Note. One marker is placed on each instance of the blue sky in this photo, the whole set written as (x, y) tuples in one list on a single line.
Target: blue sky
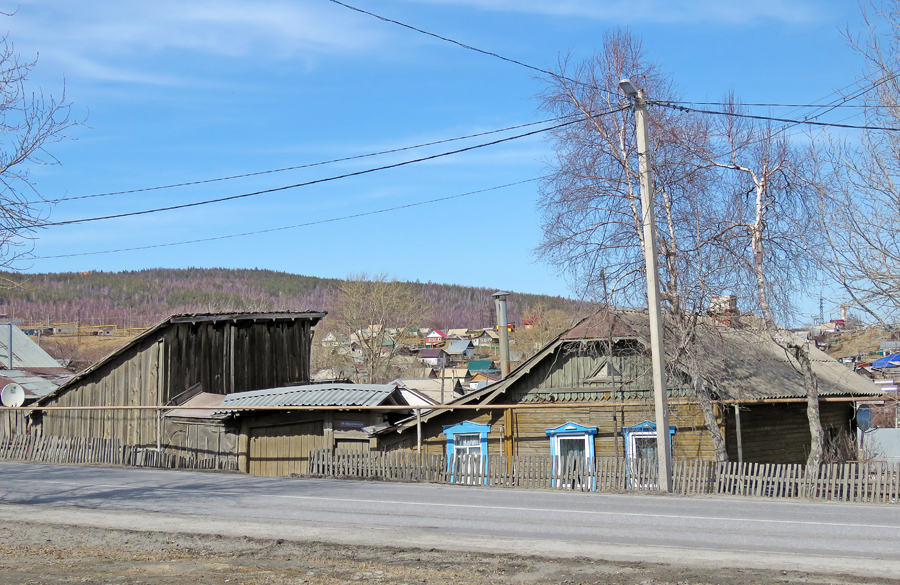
[(176, 92)]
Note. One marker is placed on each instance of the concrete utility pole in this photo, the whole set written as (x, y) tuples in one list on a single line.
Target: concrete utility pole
[(663, 445), (502, 330)]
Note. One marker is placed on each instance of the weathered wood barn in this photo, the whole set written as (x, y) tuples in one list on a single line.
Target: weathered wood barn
[(593, 387), (172, 362)]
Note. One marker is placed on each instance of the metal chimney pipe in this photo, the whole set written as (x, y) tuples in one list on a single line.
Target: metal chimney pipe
[(502, 330)]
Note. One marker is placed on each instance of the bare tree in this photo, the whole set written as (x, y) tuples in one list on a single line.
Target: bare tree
[(29, 123), (591, 203), (769, 230), (375, 313), (859, 176), (544, 324), (733, 209)]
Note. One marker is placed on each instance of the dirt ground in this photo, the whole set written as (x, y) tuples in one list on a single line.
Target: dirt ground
[(32, 554)]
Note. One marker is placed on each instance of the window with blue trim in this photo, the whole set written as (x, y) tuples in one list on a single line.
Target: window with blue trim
[(640, 442), (467, 438), (572, 439)]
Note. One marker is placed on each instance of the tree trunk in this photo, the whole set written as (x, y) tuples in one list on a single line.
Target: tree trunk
[(817, 442), (709, 414)]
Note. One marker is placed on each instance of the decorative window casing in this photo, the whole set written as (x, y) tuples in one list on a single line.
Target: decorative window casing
[(572, 439), (640, 441), (467, 438)]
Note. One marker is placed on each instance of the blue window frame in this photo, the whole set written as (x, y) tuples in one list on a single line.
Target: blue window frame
[(572, 439), (467, 438), (640, 441)]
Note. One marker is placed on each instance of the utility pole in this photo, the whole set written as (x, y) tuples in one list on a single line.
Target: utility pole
[(663, 446)]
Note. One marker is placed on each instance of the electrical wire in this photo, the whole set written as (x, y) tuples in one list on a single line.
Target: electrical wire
[(323, 180), (469, 47), (810, 122), (290, 227), (296, 167)]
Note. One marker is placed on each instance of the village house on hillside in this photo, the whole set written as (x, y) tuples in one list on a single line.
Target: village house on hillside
[(599, 371)]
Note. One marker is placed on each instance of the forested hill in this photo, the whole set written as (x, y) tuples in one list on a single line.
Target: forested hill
[(142, 298)]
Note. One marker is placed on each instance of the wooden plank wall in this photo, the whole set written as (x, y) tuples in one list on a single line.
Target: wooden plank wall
[(779, 433), (13, 422), (226, 357), (131, 380), (281, 450), (528, 436), (198, 440), (261, 354)]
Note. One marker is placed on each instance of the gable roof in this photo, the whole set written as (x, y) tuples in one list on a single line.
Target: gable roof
[(431, 353), (743, 364), (25, 352), (458, 346), (317, 395), (481, 365)]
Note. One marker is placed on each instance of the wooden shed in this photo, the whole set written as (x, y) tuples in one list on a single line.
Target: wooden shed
[(278, 442), (590, 392), (184, 355)]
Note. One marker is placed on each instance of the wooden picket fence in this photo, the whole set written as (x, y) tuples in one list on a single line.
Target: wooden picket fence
[(80, 450), (873, 482)]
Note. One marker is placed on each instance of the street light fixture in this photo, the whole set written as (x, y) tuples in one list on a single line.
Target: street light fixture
[(628, 88)]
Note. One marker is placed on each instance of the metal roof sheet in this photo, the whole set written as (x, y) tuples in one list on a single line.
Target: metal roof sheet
[(315, 395), (26, 353), (36, 383)]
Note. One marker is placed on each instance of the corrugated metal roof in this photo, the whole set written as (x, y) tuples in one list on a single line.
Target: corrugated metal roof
[(316, 395), (36, 383), (26, 353)]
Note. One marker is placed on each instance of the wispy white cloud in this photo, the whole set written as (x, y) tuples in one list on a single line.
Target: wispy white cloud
[(668, 11), (93, 38)]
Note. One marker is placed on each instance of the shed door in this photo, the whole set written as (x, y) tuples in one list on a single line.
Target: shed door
[(283, 449)]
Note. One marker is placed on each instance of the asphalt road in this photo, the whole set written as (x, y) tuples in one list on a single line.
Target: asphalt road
[(855, 539)]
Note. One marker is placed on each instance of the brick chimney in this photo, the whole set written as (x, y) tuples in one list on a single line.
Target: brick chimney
[(723, 308)]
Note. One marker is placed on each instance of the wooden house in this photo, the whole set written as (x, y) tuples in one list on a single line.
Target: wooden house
[(590, 392), (171, 363)]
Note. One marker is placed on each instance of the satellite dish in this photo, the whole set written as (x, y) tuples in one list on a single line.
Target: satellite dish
[(12, 395)]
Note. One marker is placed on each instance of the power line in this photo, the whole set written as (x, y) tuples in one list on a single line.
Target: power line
[(296, 167), (323, 180), (469, 47), (772, 119), (290, 227), (772, 105)]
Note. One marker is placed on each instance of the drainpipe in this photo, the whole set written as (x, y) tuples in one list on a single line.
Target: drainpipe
[(503, 330)]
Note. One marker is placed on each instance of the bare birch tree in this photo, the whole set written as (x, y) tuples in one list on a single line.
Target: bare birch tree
[(859, 176), (29, 123), (591, 203), (769, 229)]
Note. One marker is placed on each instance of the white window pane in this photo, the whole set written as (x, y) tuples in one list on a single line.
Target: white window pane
[(572, 446), (467, 440)]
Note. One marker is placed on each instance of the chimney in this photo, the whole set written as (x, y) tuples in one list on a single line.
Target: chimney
[(502, 330), (723, 308)]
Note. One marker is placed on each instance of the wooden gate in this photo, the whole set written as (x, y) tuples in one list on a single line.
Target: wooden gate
[(283, 449)]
